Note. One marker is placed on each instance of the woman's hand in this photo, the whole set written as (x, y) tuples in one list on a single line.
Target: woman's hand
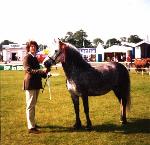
[(48, 70)]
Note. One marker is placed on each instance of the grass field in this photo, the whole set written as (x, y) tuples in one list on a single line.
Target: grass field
[(56, 116)]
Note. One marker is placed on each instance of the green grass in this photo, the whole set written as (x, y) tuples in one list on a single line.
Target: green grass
[(56, 116)]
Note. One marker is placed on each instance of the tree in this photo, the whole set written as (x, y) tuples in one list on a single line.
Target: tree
[(123, 39), (111, 42), (79, 39), (42, 47), (134, 39), (96, 41), (69, 35), (5, 42), (69, 38)]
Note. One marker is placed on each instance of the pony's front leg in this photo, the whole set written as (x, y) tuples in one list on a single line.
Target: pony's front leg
[(86, 110), (75, 100)]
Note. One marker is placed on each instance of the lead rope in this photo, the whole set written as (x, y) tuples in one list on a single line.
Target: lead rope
[(48, 84), (49, 89)]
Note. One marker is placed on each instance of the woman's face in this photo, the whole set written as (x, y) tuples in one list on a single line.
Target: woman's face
[(33, 49)]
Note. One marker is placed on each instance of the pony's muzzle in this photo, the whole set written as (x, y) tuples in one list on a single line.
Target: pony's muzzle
[(48, 63)]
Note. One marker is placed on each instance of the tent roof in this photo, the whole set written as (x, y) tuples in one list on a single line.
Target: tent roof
[(117, 48), (135, 44), (142, 42)]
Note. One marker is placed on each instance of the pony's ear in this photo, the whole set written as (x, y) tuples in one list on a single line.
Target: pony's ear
[(62, 45), (62, 48)]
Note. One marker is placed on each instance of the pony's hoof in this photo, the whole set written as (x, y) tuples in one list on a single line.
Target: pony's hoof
[(77, 126), (89, 128), (123, 122)]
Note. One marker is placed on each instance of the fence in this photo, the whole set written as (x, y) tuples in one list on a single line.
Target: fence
[(18, 67), (128, 65)]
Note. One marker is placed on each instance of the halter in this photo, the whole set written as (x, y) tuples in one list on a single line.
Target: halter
[(55, 56), (61, 52), (58, 56)]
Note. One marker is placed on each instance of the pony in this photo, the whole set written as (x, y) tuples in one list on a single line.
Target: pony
[(141, 64), (83, 80)]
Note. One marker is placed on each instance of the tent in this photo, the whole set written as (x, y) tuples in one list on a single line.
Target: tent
[(117, 53), (117, 48)]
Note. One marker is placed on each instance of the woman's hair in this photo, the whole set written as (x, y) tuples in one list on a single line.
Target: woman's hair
[(31, 43)]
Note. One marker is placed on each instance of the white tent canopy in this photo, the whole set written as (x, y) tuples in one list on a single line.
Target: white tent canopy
[(117, 48), (100, 49)]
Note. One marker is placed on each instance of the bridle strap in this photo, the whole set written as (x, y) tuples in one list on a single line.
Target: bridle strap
[(55, 58), (52, 59)]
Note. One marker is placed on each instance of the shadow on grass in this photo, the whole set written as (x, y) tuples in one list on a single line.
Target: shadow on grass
[(133, 126)]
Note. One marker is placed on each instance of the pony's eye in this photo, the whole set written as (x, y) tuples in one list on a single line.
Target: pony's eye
[(56, 51)]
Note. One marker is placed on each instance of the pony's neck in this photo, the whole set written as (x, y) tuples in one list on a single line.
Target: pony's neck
[(74, 62)]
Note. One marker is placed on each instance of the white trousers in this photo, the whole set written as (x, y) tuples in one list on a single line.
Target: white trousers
[(31, 99)]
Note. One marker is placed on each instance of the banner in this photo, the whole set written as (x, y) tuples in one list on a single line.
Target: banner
[(13, 67)]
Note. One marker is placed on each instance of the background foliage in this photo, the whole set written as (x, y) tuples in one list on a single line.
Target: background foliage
[(80, 40)]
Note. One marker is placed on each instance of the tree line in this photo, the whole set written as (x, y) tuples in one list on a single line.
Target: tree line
[(80, 40)]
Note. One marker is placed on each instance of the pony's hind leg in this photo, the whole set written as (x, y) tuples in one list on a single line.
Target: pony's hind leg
[(86, 110), (75, 100), (122, 101), (123, 118)]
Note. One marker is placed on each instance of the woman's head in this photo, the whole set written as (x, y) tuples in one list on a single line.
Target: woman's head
[(32, 46)]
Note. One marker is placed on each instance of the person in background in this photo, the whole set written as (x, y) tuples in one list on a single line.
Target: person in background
[(128, 62), (116, 59), (32, 83)]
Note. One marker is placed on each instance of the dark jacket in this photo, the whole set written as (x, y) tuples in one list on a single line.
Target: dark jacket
[(33, 74)]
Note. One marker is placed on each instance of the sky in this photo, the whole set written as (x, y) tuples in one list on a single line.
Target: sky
[(46, 20)]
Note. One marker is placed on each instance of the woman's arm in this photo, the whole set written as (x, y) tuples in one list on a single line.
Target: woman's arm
[(29, 68)]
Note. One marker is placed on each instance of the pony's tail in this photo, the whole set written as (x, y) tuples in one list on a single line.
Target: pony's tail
[(126, 97), (122, 90)]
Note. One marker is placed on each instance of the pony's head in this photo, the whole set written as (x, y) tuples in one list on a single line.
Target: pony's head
[(57, 54)]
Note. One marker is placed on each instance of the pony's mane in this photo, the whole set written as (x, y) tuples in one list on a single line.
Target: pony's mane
[(71, 46), (76, 56)]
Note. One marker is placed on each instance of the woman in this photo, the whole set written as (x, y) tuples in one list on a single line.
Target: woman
[(32, 83)]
